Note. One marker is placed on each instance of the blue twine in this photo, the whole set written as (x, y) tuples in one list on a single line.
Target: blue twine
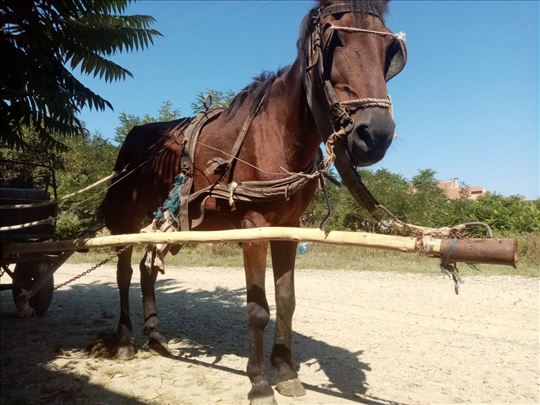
[(172, 203), (303, 248)]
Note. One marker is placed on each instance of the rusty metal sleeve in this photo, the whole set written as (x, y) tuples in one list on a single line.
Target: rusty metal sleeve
[(488, 251)]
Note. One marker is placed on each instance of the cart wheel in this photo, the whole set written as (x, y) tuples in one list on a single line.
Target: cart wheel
[(25, 275)]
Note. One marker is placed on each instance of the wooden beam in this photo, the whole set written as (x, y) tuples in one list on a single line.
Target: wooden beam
[(493, 250)]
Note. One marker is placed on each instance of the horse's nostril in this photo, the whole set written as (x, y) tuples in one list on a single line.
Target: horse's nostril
[(371, 137), (356, 143), (364, 133)]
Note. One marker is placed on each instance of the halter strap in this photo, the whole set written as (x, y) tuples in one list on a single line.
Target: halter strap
[(400, 36), (331, 116)]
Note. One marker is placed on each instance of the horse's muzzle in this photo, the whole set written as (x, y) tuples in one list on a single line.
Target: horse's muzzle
[(371, 136)]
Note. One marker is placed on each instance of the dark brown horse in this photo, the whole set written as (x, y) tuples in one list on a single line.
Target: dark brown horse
[(335, 91)]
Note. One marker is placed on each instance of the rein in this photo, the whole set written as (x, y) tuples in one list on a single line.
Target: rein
[(332, 115)]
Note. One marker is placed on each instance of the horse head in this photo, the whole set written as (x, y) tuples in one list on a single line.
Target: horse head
[(350, 56)]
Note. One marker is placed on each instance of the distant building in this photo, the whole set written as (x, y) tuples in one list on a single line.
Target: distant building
[(454, 191)]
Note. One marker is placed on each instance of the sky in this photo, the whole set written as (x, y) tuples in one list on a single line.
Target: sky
[(466, 105)]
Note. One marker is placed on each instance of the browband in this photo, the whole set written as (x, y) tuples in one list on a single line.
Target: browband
[(343, 8)]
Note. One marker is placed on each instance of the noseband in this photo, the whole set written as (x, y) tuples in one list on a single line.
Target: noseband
[(332, 115)]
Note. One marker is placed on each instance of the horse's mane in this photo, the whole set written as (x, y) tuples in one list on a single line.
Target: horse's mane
[(255, 91), (262, 83)]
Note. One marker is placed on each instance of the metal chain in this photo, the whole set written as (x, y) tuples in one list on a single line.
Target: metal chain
[(91, 269)]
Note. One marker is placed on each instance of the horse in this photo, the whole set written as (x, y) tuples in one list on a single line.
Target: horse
[(255, 164)]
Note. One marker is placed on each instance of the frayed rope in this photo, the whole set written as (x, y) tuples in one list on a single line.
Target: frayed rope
[(172, 203)]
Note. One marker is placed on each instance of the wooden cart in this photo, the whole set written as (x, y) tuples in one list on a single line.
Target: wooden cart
[(28, 211)]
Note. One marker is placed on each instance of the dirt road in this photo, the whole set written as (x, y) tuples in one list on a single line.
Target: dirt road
[(364, 337)]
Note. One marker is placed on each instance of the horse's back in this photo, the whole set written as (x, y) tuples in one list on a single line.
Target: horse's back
[(147, 163), (144, 140)]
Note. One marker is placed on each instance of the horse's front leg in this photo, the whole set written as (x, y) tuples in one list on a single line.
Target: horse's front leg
[(257, 312), (126, 349), (283, 260), (157, 343)]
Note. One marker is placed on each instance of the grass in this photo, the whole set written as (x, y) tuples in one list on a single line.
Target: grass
[(322, 256)]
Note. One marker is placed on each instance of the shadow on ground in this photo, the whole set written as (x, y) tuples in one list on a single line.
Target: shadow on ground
[(213, 323)]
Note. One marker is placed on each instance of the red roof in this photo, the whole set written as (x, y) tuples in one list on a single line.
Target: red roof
[(454, 192)]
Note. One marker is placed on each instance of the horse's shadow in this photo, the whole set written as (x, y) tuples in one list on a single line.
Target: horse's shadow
[(208, 323), (214, 321)]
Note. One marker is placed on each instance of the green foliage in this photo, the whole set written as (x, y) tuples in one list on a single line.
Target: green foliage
[(68, 225), (421, 202), (41, 158), (87, 160), (128, 121), (425, 200), (84, 161), (36, 151), (529, 250), (212, 99), (167, 112), (389, 188), (41, 42), (508, 215), (340, 207)]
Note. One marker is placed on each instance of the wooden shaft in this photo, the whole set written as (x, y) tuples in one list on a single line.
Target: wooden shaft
[(495, 251), (388, 242), (31, 205), (47, 221)]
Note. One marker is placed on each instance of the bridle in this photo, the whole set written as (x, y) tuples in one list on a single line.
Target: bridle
[(319, 57), (332, 115)]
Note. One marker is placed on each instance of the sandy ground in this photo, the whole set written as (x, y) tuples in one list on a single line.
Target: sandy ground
[(364, 337)]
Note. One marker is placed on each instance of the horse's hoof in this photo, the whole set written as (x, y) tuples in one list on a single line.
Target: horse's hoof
[(291, 388), (266, 400), (158, 348), (26, 312), (125, 353), (261, 394)]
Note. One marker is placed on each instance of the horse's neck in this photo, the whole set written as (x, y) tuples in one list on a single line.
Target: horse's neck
[(293, 128)]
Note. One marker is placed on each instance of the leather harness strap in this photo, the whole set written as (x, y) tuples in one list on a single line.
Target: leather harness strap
[(186, 161), (330, 114), (249, 191), (331, 117), (231, 163)]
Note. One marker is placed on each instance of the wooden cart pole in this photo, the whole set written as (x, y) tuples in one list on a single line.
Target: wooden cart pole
[(494, 251)]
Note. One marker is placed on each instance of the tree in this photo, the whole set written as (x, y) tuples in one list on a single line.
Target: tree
[(209, 99), (391, 189), (507, 215), (128, 121), (167, 113), (36, 153), (41, 42), (87, 159), (318, 208), (426, 200)]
